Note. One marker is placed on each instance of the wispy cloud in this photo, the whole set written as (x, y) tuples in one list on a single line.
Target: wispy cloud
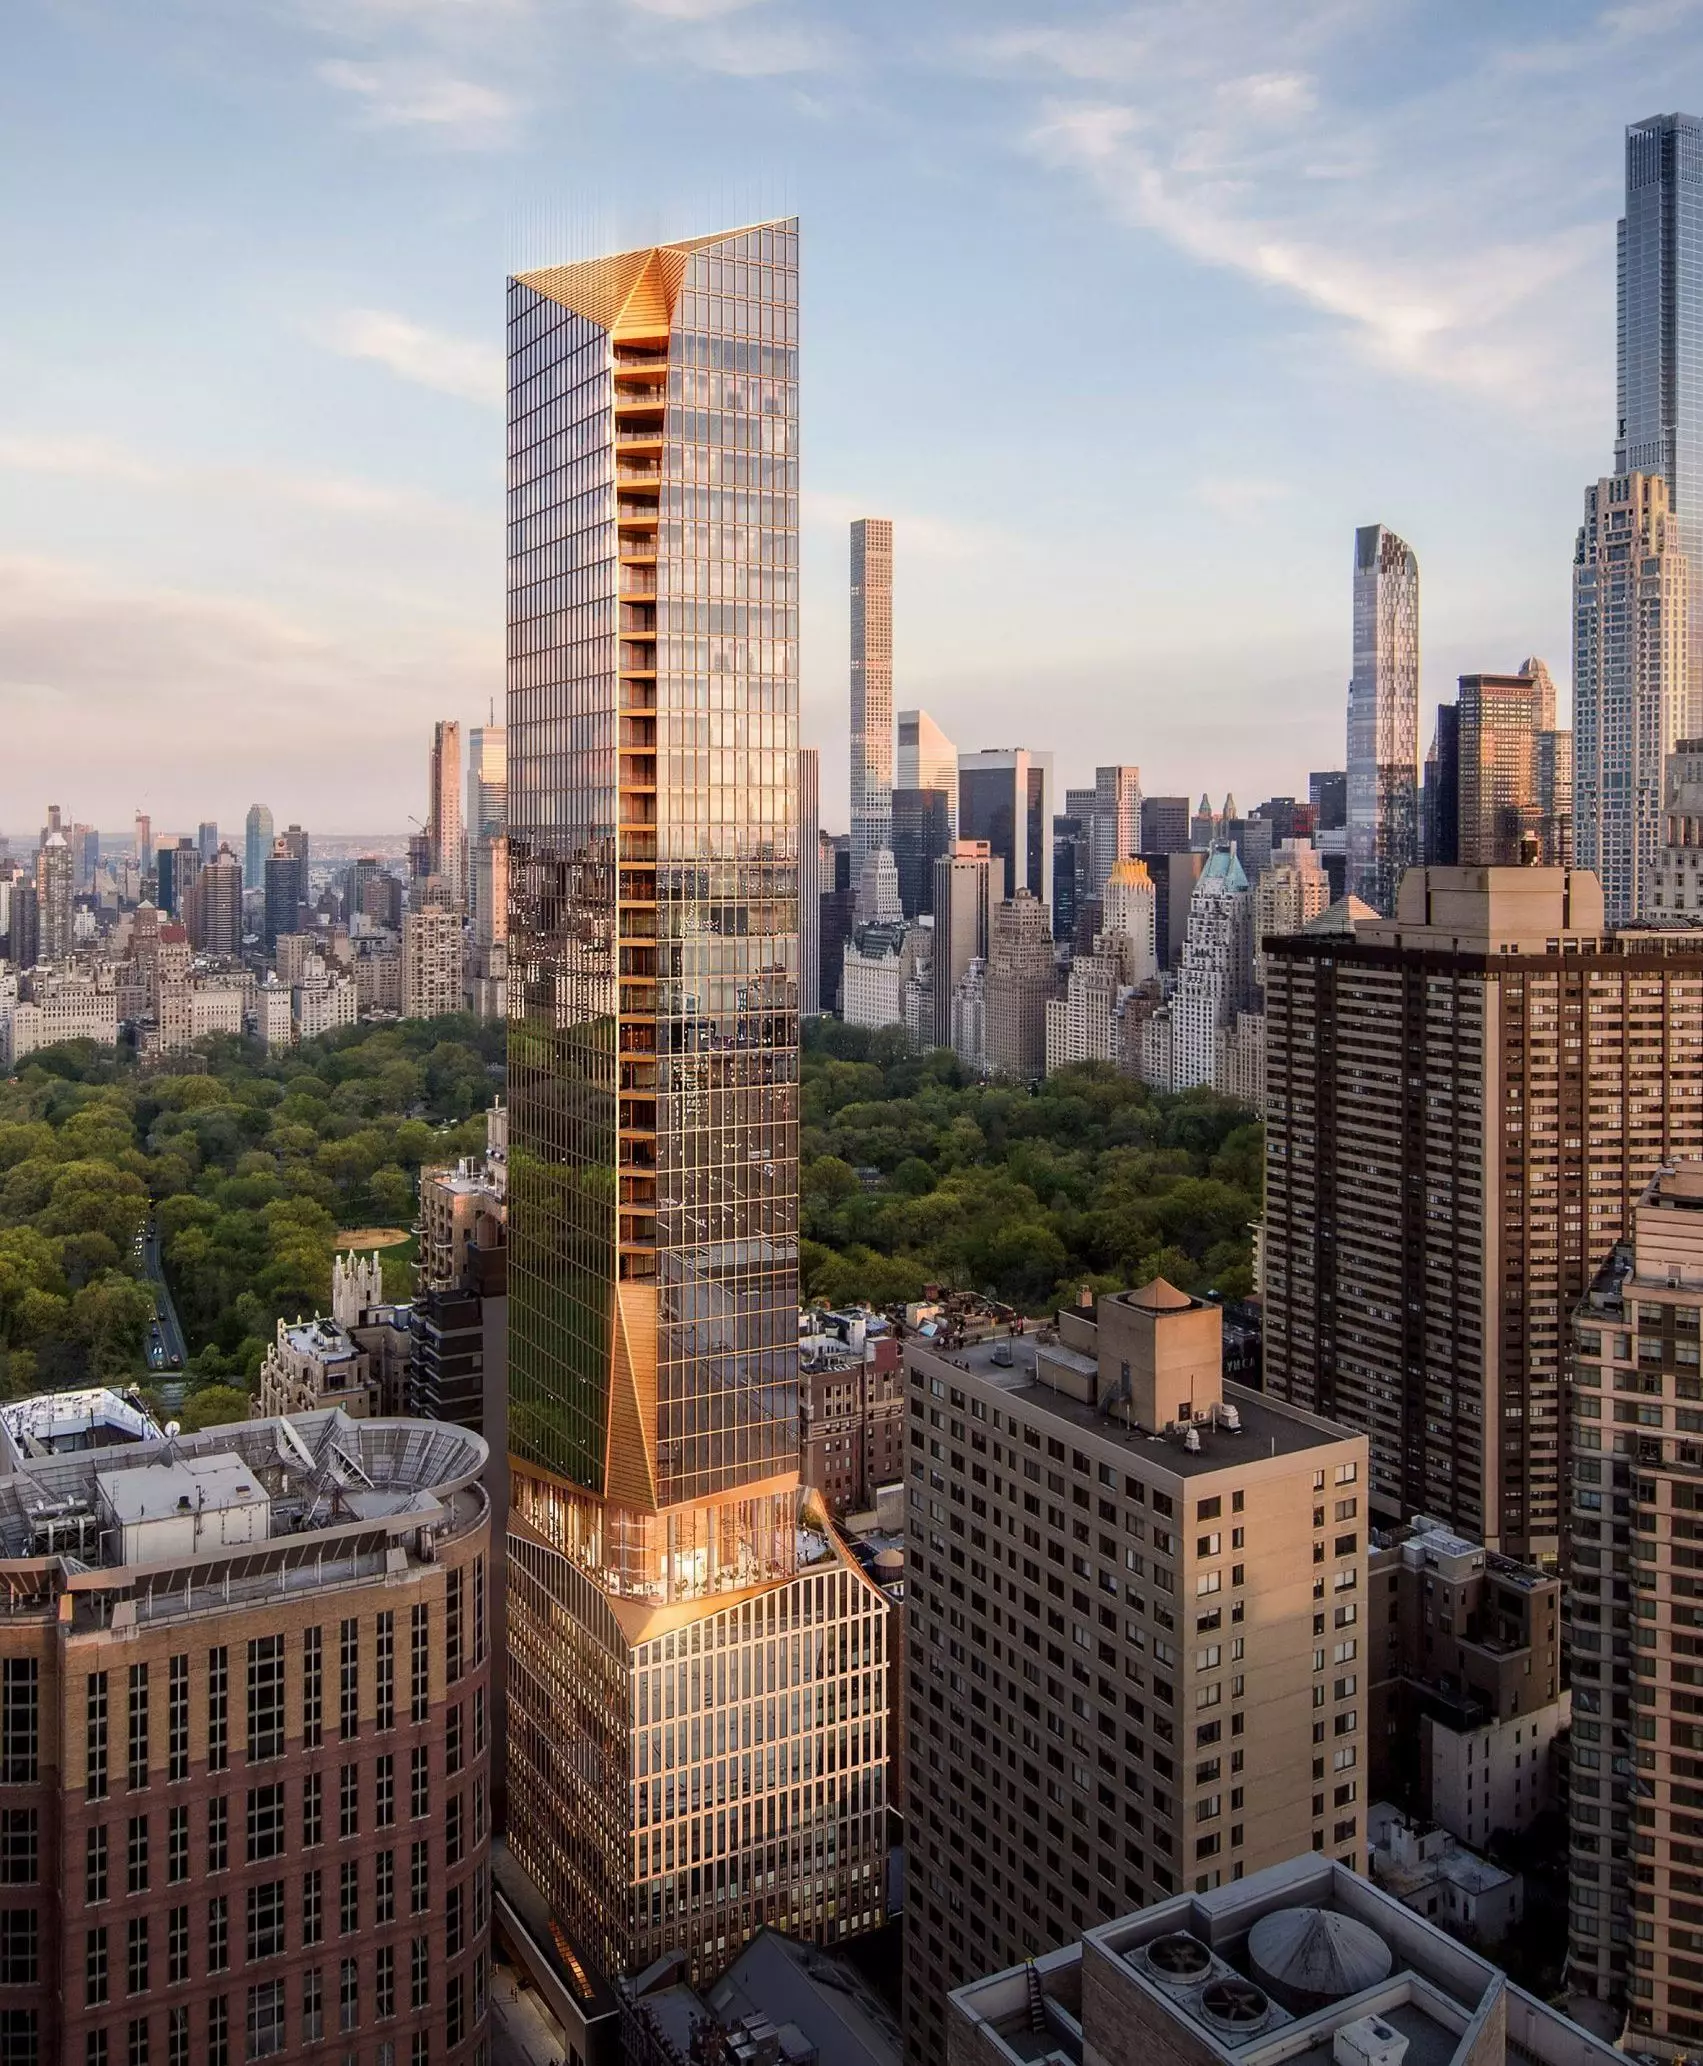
[(1246, 138), (116, 465), (691, 10), (460, 366), (410, 95), (1240, 498)]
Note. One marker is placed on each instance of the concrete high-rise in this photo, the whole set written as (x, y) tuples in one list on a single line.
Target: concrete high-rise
[(1135, 1667), (1631, 582), (53, 896), (921, 834), (809, 882), (1463, 1104), (964, 897), (1164, 825), (1505, 804), (871, 688), (1659, 407), (211, 907), (1635, 1520), (1383, 718), (1288, 897), (1216, 979), (1005, 797), (207, 841), (1021, 977), (246, 1739), (1677, 892), (257, 844), (443, 807), (696, 1728), (928, 760)]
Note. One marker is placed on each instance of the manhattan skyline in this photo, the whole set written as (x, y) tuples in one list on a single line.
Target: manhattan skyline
[(274, 528)]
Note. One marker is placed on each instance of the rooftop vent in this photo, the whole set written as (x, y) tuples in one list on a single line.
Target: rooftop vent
[(1177, 1957), (1310, 1957), (1237, 2005), (1368, 2041)]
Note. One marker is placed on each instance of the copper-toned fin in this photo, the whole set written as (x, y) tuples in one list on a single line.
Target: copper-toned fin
[(629, 1468), (635, 290)]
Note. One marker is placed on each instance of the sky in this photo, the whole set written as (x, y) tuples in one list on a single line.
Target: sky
[(1127, 315)]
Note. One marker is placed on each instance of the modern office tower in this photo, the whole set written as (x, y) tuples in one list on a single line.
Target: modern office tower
[(432, 970), (1383, 718), (1464, 1102), (53, 897), (1288, 818), (1164, 824), (1086, 1024), (1253, 838), (296, 842), (487, 788), (1501, 813), (1005, 797), (144, 840), (207, 840), (1463, 1682), (1327, 792), (443, 807), (963, 915), (85, 842), (1160, 1602), (1021, 976), (286, 891), (1203, 826), (23, 938), (257, 844), (921, 834), (871, 687), (1677, 892), (211, 907), (1115, 828), (1636, 1514), (1216, 979), (1308, 1954), (246, 1703), (667, 1575), (1288, 896), (809, 882), (836, 916), (1440, 802), (1174, 877), (1070, 874), (1555, 794), (1660, 359), (1630, 588), (928, 760)]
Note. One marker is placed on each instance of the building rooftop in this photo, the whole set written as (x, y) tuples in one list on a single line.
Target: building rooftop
[(1266, 1426), (259, 1505), (1303, 1964), (53, 1422)]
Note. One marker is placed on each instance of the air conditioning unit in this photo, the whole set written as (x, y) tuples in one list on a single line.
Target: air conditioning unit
[(1368, 2041)]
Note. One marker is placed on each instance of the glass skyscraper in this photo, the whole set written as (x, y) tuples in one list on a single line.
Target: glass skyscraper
[(696, 1721), (1660, 384), (1383, 718), (871, 689)]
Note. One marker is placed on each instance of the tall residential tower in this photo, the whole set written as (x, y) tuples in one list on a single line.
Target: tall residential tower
[(871, 688), (1383, 718), (449, 845), (696, 1726), (1659, 419)]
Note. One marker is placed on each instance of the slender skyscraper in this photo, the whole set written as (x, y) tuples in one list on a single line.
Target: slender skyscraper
[(449, 846), (1660, 426), (1383, 718), (696, 1738), (871, 688), (487, 812), (1630, 588), (809, 882), (257, 845)]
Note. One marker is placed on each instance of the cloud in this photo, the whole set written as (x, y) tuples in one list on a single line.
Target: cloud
[(460, 366), (116, 465), (915, 533), (691, 10), (407, 94), (1240, 498), (248, 694)]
